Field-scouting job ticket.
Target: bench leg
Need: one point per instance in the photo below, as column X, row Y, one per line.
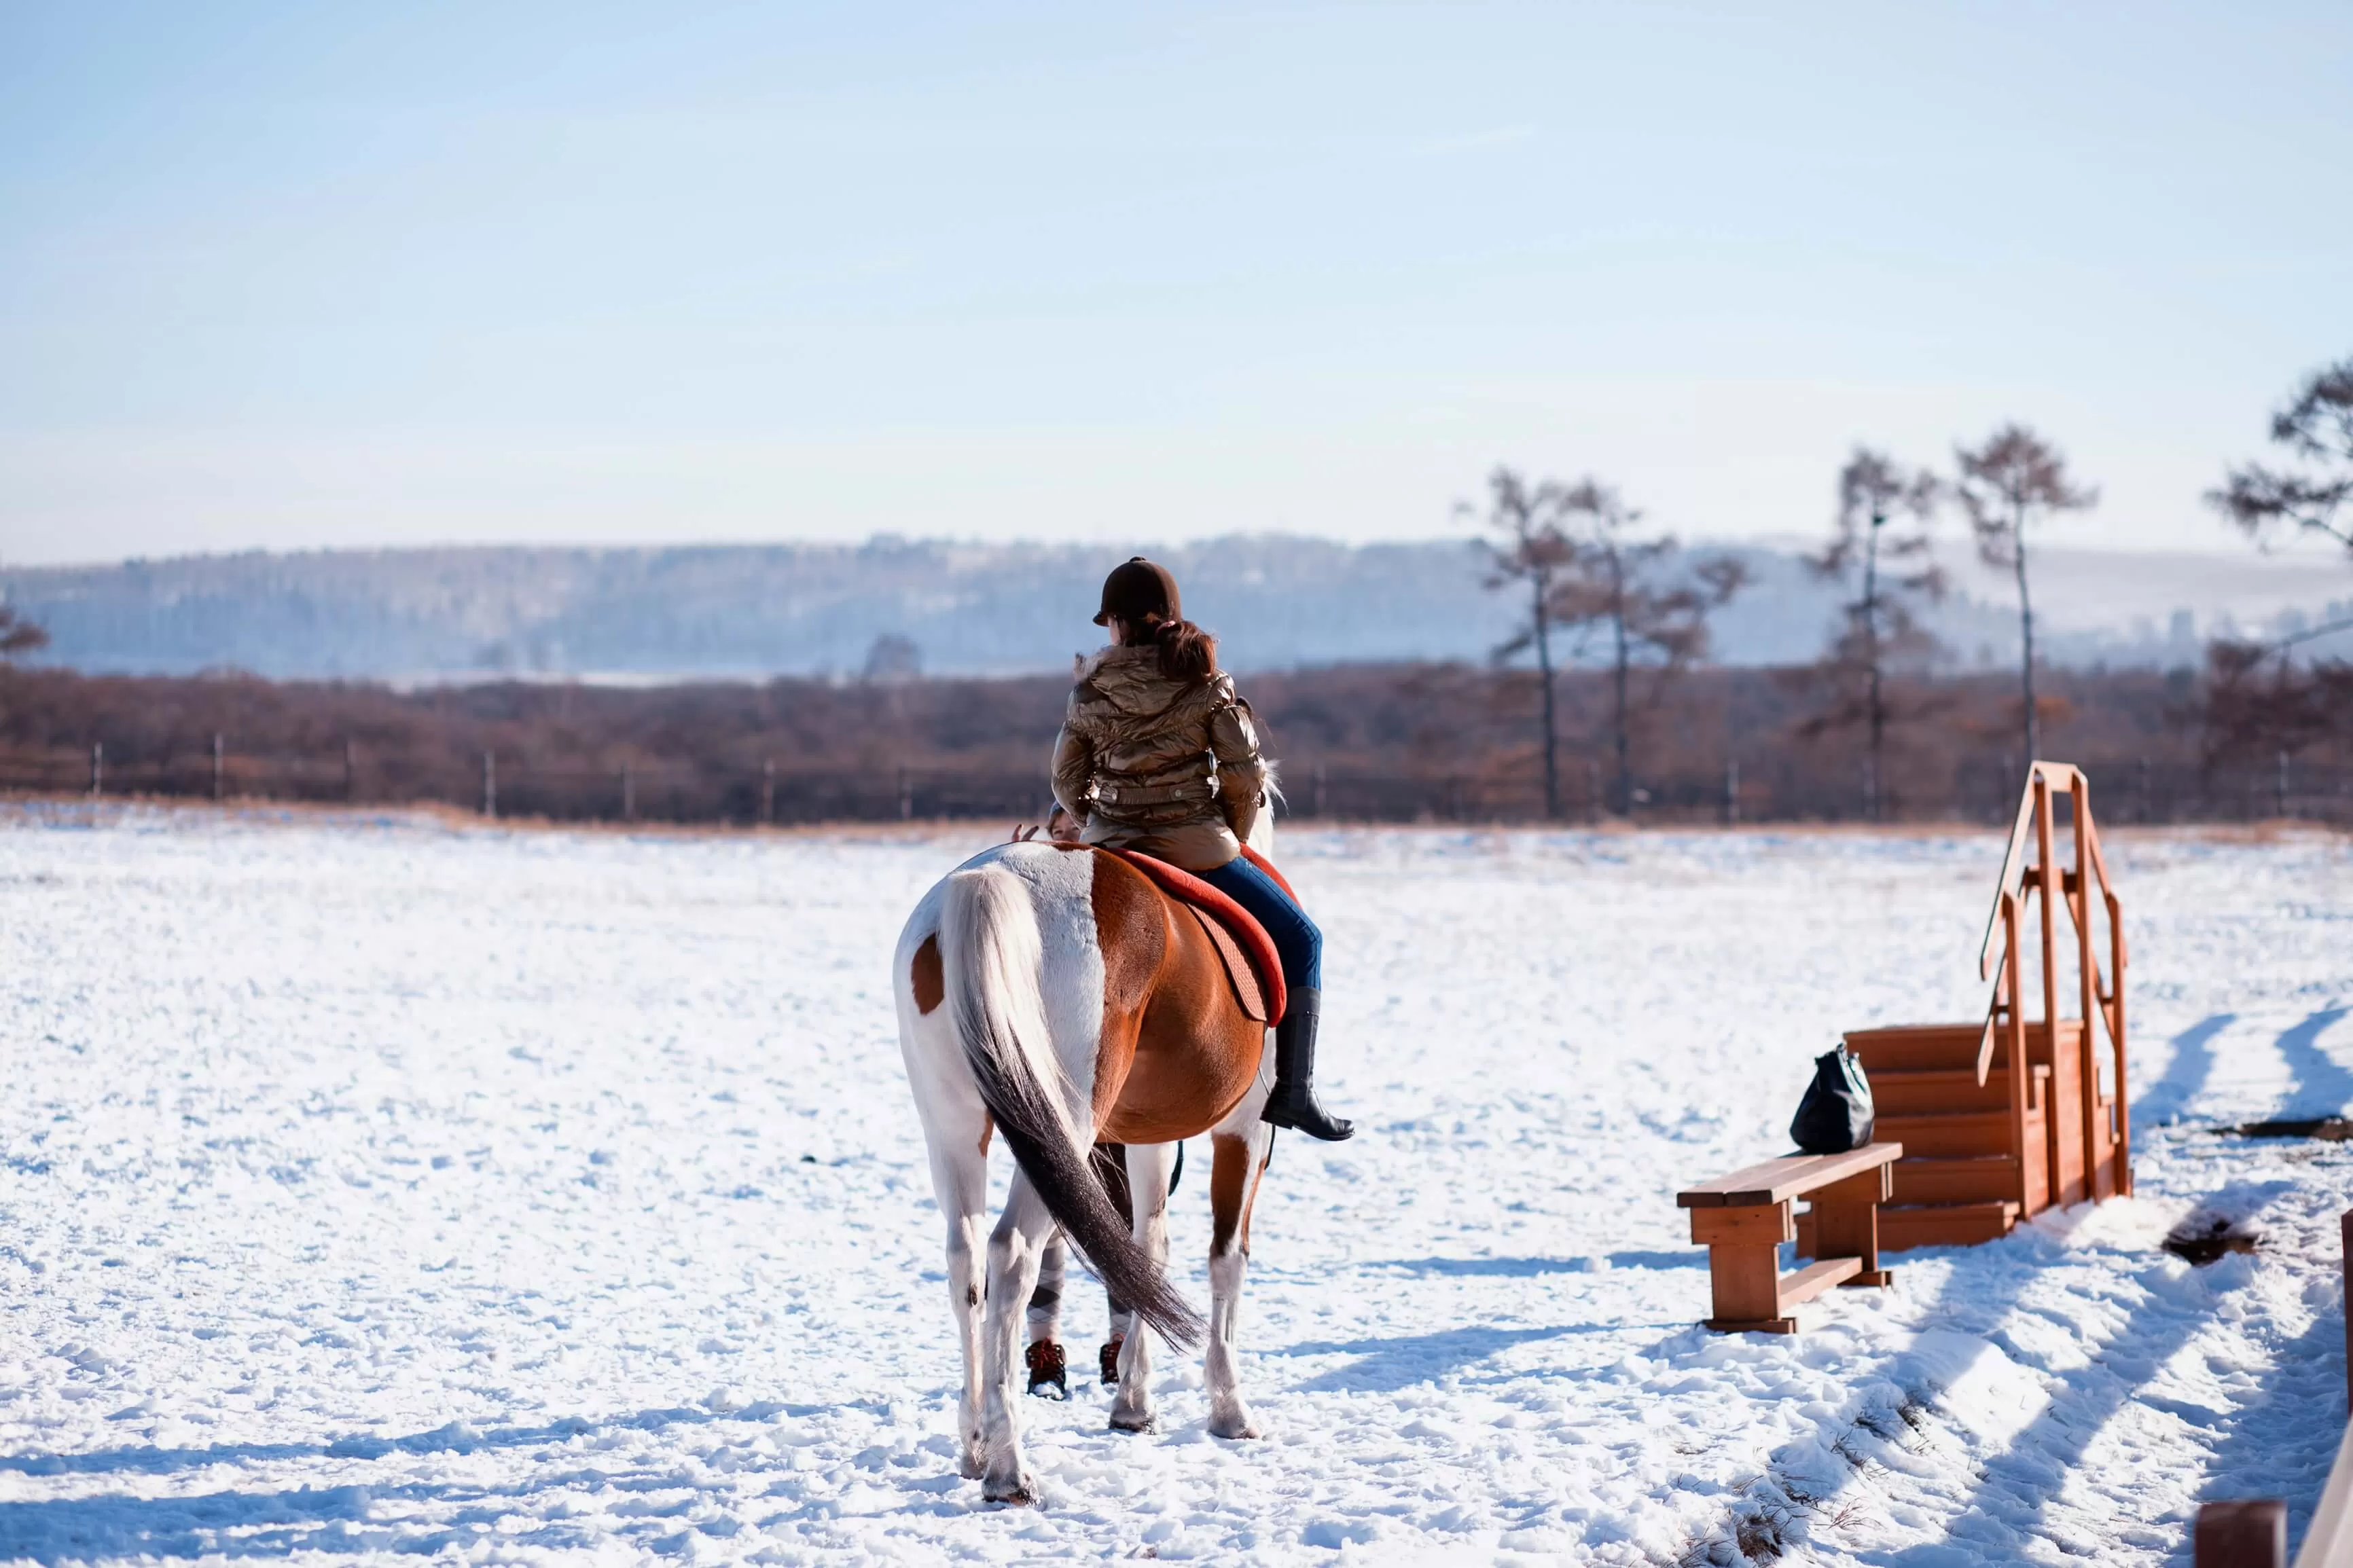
column 1846, row 1222
column 1747, row 1281
column 1851, row 1230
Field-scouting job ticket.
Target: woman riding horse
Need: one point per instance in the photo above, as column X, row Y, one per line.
column 1157, row 754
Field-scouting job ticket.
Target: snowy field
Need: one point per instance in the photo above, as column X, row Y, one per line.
column 376, row 1185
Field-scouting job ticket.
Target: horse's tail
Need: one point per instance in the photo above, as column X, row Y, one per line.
column 991, row 953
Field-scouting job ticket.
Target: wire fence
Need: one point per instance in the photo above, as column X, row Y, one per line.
column 1788, row 785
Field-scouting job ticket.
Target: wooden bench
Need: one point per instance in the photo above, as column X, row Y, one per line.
column 1744, row 1218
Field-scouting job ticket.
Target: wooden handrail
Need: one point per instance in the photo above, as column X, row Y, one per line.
column 2073, row 887
column 2013, row 868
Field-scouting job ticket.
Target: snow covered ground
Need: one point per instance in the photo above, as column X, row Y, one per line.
column 374, row 1185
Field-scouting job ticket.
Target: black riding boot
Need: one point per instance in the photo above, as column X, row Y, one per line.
column 1293, row 1103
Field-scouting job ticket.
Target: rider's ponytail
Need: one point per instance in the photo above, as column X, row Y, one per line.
column 1187, row 652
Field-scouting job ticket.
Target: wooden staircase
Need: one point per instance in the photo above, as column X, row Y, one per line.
column 2002, row 1118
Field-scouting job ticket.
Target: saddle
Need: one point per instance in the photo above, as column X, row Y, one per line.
column 1252, row 963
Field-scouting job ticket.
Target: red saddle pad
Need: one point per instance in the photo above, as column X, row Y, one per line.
column 1219, row 913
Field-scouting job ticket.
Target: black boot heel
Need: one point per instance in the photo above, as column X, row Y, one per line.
column 1293, row 1103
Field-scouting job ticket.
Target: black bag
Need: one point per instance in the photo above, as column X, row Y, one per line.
column 1836, row 1115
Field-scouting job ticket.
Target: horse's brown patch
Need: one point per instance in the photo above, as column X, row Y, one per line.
column 1229, row 1175
column 930, row 984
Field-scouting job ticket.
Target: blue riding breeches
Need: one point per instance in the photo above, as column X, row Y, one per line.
column 1296, row 939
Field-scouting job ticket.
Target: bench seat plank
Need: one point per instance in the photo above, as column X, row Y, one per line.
column 1792, row 1176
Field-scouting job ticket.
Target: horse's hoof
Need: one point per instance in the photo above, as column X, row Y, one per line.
column 972, row 1467
column 1018, row 1495
column 1238, row 1427
column 1133, row 1421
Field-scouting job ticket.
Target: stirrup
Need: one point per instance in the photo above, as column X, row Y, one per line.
column 1048, row 1379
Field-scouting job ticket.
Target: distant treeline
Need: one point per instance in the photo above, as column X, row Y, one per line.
column 1377, row 742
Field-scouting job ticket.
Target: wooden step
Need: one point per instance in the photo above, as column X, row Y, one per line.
column 1933, row 1047
column 1915, row 1047
column 1902, row 1226
column 1962, row 1134
column 1905, row 1225
column 1986, row 1179
column 1946, row 1091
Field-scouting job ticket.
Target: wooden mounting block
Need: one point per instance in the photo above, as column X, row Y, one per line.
column 1743, row 1218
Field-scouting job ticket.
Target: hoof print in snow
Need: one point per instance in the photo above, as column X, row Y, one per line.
column 2326, row 1129
column 2204, row 1238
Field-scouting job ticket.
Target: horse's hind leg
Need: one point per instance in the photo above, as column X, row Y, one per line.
column 1148, row 1165
column 1015, row 1251
column 1048, row 1377
column 1110, row 1164
column 960, row 1180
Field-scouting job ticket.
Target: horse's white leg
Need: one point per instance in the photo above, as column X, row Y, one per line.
column 955, row 1136
column 1148, row 1165
column 1238, row 1151
column 1015, row 1250
column 960, row 1180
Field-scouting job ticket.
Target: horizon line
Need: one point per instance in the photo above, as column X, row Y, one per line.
column 2291, row 552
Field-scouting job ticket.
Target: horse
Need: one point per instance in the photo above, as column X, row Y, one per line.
column 1054, row 993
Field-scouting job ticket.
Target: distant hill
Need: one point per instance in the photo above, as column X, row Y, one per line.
column 899, row 605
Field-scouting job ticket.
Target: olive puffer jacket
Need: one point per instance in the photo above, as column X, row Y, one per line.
column 1168, row 768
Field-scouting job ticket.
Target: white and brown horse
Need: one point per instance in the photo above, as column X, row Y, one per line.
column 1057, row 996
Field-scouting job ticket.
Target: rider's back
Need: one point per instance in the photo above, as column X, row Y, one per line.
column 1153, row 763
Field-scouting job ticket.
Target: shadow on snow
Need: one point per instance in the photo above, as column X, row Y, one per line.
column 2168, row 1098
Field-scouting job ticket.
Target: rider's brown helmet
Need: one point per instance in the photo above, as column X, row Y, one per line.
column 1139, row 592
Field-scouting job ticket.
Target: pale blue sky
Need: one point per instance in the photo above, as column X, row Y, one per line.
column 332, row 275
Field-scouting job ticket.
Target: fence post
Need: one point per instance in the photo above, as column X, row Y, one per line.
column 1316, row 791
column 906, row 796
column 628, row 794
column 1732, row 791
column 2144, row 791
column 351, row 771
column 2250, row 1532
column 217, row 767
column 490, row 784
column 2279, row 790
column 767, row 792
column 97, row 769
column 1593, row 790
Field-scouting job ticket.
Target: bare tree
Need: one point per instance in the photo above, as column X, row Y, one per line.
column 2015, row 478
column 1529, row 550
column 18, row 635
column 1629, row 591
column 2318, row 427
column 1890, row 575
column 2257, row 701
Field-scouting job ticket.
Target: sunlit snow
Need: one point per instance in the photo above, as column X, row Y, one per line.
column 374, row 1184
